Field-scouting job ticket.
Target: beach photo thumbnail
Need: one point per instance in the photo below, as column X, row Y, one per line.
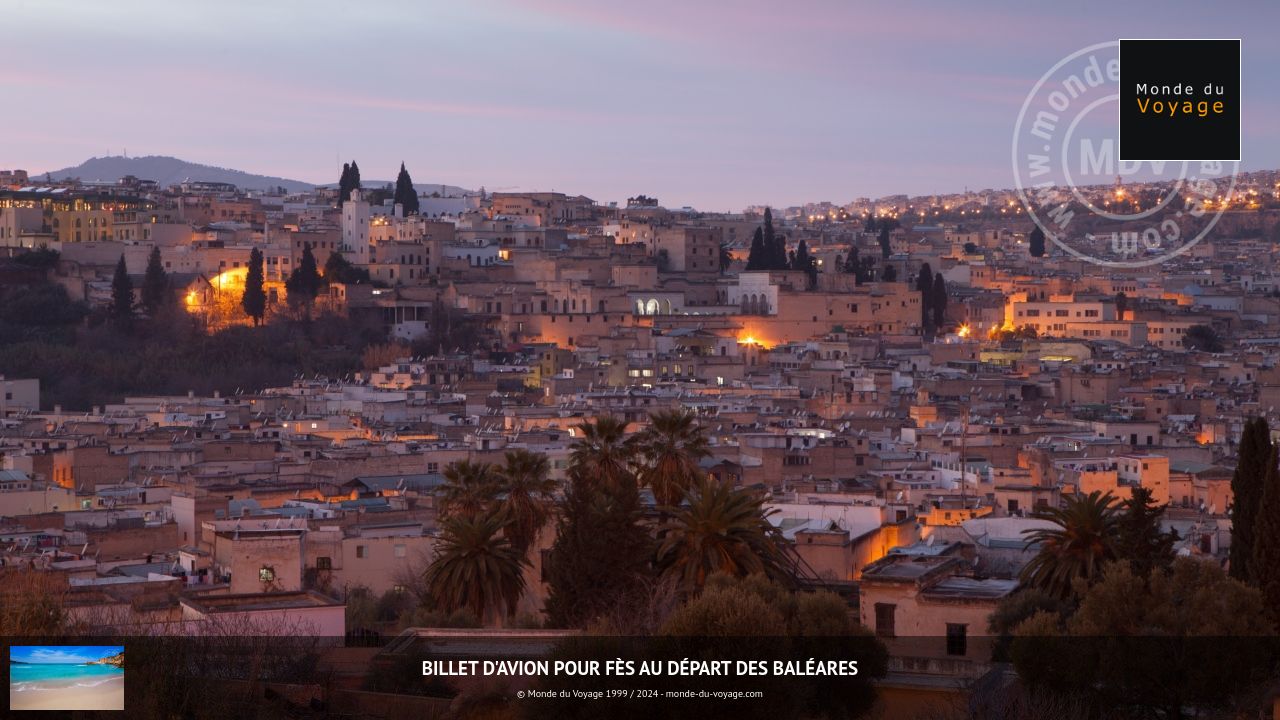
column 66, row 677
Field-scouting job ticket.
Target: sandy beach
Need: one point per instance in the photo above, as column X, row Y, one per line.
column 108, row 695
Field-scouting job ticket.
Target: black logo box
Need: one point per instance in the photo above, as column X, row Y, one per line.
column 1186, row 65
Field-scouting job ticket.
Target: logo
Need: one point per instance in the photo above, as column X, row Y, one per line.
column 1180, row 99
column 1085, row 199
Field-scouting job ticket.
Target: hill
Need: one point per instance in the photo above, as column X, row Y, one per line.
column 168, row 171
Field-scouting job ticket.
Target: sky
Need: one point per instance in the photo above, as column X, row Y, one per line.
column 65, row 654
column 707, row 103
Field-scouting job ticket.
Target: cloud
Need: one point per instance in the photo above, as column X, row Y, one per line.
column 61, row 654
column 51, row 655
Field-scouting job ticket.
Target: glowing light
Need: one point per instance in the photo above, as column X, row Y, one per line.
column 964, row 331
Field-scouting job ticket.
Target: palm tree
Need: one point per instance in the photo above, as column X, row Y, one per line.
column 469, row 488
column 476, row 566
column 671, row 447
column 602, row 454
column 525, row 495
column 1083, row 541
column 720, row 529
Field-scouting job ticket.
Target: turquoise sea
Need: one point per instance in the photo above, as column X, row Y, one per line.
column 50, row 676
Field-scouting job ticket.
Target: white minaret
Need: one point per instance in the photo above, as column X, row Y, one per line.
column 355, row 228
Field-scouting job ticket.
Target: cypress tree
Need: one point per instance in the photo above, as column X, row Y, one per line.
column 889, row 274
column 885, row 249
column 304, row 282
column 344, row 183
column 355, row 177
column 939, row 300
column 405, row 195
column 1265, row 564
column 924, row 281
column 254, row 300
column 775, row 248
column 1036, row 242
column 1246, row 488
column 121, row 307
column 756, row 259
column 781, row 258
column 155, row 284
column 924, row 285
column 802, row 258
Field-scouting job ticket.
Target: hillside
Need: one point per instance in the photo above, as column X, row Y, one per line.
column 170, row 171
column 117, row 660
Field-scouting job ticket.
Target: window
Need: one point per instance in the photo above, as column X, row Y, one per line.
column 957, row 639
column 324, row 563
column 884, row 619
column 267, row 574
column 399, row 551
column 360, row 552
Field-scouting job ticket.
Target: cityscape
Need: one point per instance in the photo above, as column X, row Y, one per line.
column 365, row 446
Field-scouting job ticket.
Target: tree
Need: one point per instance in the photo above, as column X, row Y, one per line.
column 802, row 261
column 885, row 248
column 889, row 274
column 924, row 285
column 726, row 258
column 1246, row 489
column 970, row 249
column 41, row 256
column 525, row 496
column 337, row 269
column 121, row 307
column 756, row 258
column 1122, row 302
column 349, row 181
column 469, row 488
column 1083, row 541
column 1266, row 541
column 1189, row 637
column 721, row 529
column 602, row 455
column 344, row 183
column 1140, row 540
column 155, row 284
column 406, row 196
column 1203, row 338
column 602, row 555
column 924, row 280
column 304, row 282
column 476, row 567
column 775, row 246
column 671, row 447
column 938, row 299
column 254, row 300
column 1035, row 242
